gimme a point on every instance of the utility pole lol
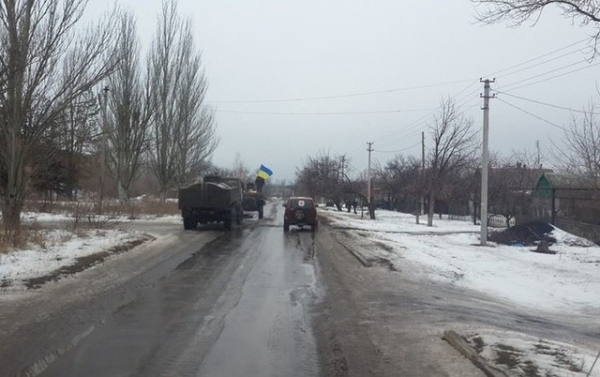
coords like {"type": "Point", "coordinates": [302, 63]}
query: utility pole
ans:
{"type": "Point", "coordinates": [538, 162]}
{"type": "Point", "coordinates": [104, 147]}
{"type": "Point", "coordinates": [485, 160]}
{"type": "Point", "coordinates": [343, 163]}
{"type": "Point", "coordinates": [369, 149]}
{"type": "Point", "coordinates": [422, 172]}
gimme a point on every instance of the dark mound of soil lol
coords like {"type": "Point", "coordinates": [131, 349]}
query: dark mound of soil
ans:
{"type": "Point", "coordinates": [525, 234]}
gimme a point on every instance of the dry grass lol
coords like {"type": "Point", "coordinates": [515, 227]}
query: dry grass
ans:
{"type": "Point", "coordinates": [148, 206]}
{"type": "Point", "coordinates": [29, 234]}
{"type": "Point", "coordinates": [145, 207]}
{"type": "Point", "coordinates": [86, 216]}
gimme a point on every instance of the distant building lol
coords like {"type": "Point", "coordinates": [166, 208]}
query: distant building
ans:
{"type": "Point", "coordinates": [572, 197]}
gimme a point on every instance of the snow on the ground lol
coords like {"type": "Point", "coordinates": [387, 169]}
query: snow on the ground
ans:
{"type": "Point", "coordinates": [45, 217]}
{"type": "Point", "coordinates": [568, 281]}
{"type": "Point", "coordinates": [521, 355]}
{"type": "Point", "coordinates": [66, 217]}
{"type": "Point", "coordinates": [60, 248]}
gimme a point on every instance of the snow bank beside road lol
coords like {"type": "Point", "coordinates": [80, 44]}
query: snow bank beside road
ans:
{"type": "Point", "coordinates": [518, 354]}
{"type": "Point", "coordinates": [64, 217]}
{"type": "Point", "coordinates": [566, 282]}
{"type": "Point", "coordinates": [59, 249]}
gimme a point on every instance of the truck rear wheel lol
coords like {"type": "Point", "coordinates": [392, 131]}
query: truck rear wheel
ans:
{"type": "Point", "coordinates": [188, 223]}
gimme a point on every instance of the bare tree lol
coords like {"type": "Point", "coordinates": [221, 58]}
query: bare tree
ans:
{"type": "Point", "coordinates": [129, 111]}
{"type": "Point", "coordinates": [582, 139]}
{"type": "Point", "coordinates": [240, 170]}
{"type": "Point", "coordinates": [68, 144]}
{"type": "Point", "coordinates": [183, 126]}
{"type": "Point", "coordinates": [516, 12]}
{"type": "Point", "coordinates": [44, 67]}
{"type": "Point", "coordinates": [197, 140]}
{"type": "Point", "coordinates": [322, 176]}
{"type": "Point", "coordinates": [512, 182]}
{"type": "Point", "coordinates": [453, 148]}
{"type": "Point", "coordinates": [400, 177]}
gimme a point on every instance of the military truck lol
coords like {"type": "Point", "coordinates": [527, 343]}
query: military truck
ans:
{"type": "Point", "coordinates": [214, 200]}
{"type": "Point", "coordinates": [253, 202]}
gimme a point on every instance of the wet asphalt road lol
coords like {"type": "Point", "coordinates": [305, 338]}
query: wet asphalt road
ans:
{"type": "Point", "coordinates": [255, 302]}
{"type": "Point", "coordinates": [239, 306]}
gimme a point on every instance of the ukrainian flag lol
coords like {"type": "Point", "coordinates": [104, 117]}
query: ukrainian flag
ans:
{"type": "Point", "coordinates": [264, 172]}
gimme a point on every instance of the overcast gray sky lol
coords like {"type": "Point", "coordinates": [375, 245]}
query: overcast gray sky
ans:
{"type": "Point", "coordinates": [413, 52]}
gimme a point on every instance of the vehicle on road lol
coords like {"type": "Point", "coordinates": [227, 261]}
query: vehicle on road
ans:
{"type": "Point", "coordinates": [253, 202]}
{"type": "Point", "coordinates": [300, 211]}
{"type": "Point", "coordinates": [214, 200]}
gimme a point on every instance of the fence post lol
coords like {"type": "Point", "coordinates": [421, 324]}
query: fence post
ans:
{"type": "Point", "coordinates": [553, 206]}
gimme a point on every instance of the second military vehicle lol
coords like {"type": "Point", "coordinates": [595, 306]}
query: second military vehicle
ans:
{"type": "Point", "coordinates": [253, 200]}
{"type": "Point", "coordinates": [214, 200]}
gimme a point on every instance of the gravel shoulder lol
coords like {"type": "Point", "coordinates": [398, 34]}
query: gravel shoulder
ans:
{"type": "Point", "coordinates": [374, 322]}
{"type": "Point", "coordinates": [403, 312]}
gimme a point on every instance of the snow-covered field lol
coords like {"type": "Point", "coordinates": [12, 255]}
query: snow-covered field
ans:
{"type": "Point", "coordinates": [64, 217]}
{"type": "Point", "coordinates": [566, 283]}
{"type": "Point", "coordinates": [58, 248]}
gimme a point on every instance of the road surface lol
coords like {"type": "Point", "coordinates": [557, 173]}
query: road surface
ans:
{"type": "Point", "coordinates": [252, 302]}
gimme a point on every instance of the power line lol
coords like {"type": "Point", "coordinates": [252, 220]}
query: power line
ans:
{"type": "Point", "coordinates": [531, 114]}
{"type": "Point", "coordinates": [548, 104]}
{"type": "Point", "coordinates": [539, 64]}
{"type": "Point", "coordinates": [316, 98]}
{"type": "Point", "coordinates": [545, 73]}
{"type": "Point", "coordinates": [536, 58]}
{"type": "Point", "coordinates": [550, 78]}
{"type": "Point", "coordinates": [342, 95]}
{"type": "Point", "coordinates": [320, 113]}
{"type": "Point", "coordinates": [409, 130]}
{"type": "Point", "coordinates": [397, 150]}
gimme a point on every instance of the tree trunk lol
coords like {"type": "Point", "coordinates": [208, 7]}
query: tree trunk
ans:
{"type": "Point", "coordinates": [431, 208]}
{"type": "Point", "coordinates": [371, 209]}
{"type": "Point", "coordinates": [11, 211]}
{"type": "Point", "coordinates": [338, 205]}
{"type": "Point", "coordinates": [123, 196]}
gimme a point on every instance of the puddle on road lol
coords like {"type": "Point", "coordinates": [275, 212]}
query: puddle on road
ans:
{"type": "Point", "coordinates": [302, 240]}
{"type": "Point", "coordinates": [226, 244]}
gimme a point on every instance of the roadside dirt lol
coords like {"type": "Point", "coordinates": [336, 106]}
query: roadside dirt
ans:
{"type": "Point", "coordinates": [83, 263]}
{"type": "Point", "coordinates": [377, 322]}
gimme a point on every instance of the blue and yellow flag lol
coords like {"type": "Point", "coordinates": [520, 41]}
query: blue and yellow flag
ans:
{"type": "Point", "coordinates": [264, 172]}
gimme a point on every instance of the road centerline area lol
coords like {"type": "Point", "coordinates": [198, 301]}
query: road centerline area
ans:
{"type": "Point", "coordinates": [240, 304]}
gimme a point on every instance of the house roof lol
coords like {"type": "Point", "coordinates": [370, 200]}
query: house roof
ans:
{"type": "Point", "coordinates": [552, 185]}
{"type": "Point", "coordinates": [525, 176]}
{"type": "Point", "coordinates": [569, 181]}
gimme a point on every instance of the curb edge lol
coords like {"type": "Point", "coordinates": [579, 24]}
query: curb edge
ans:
{"type": "Point", "coordinates": [461, 345]}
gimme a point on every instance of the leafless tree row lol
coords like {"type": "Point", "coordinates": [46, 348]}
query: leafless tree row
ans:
{"type": "Point", "coordinates": [47, 65]}
{"type": "Point", "coordinates": [450, 181]}
{"type": "Point", "coordinates": [57, 124]}
{"type": "Point", "coordinates": [183, 127]}
{"type": "Point", "coordinates": [581, 153]}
